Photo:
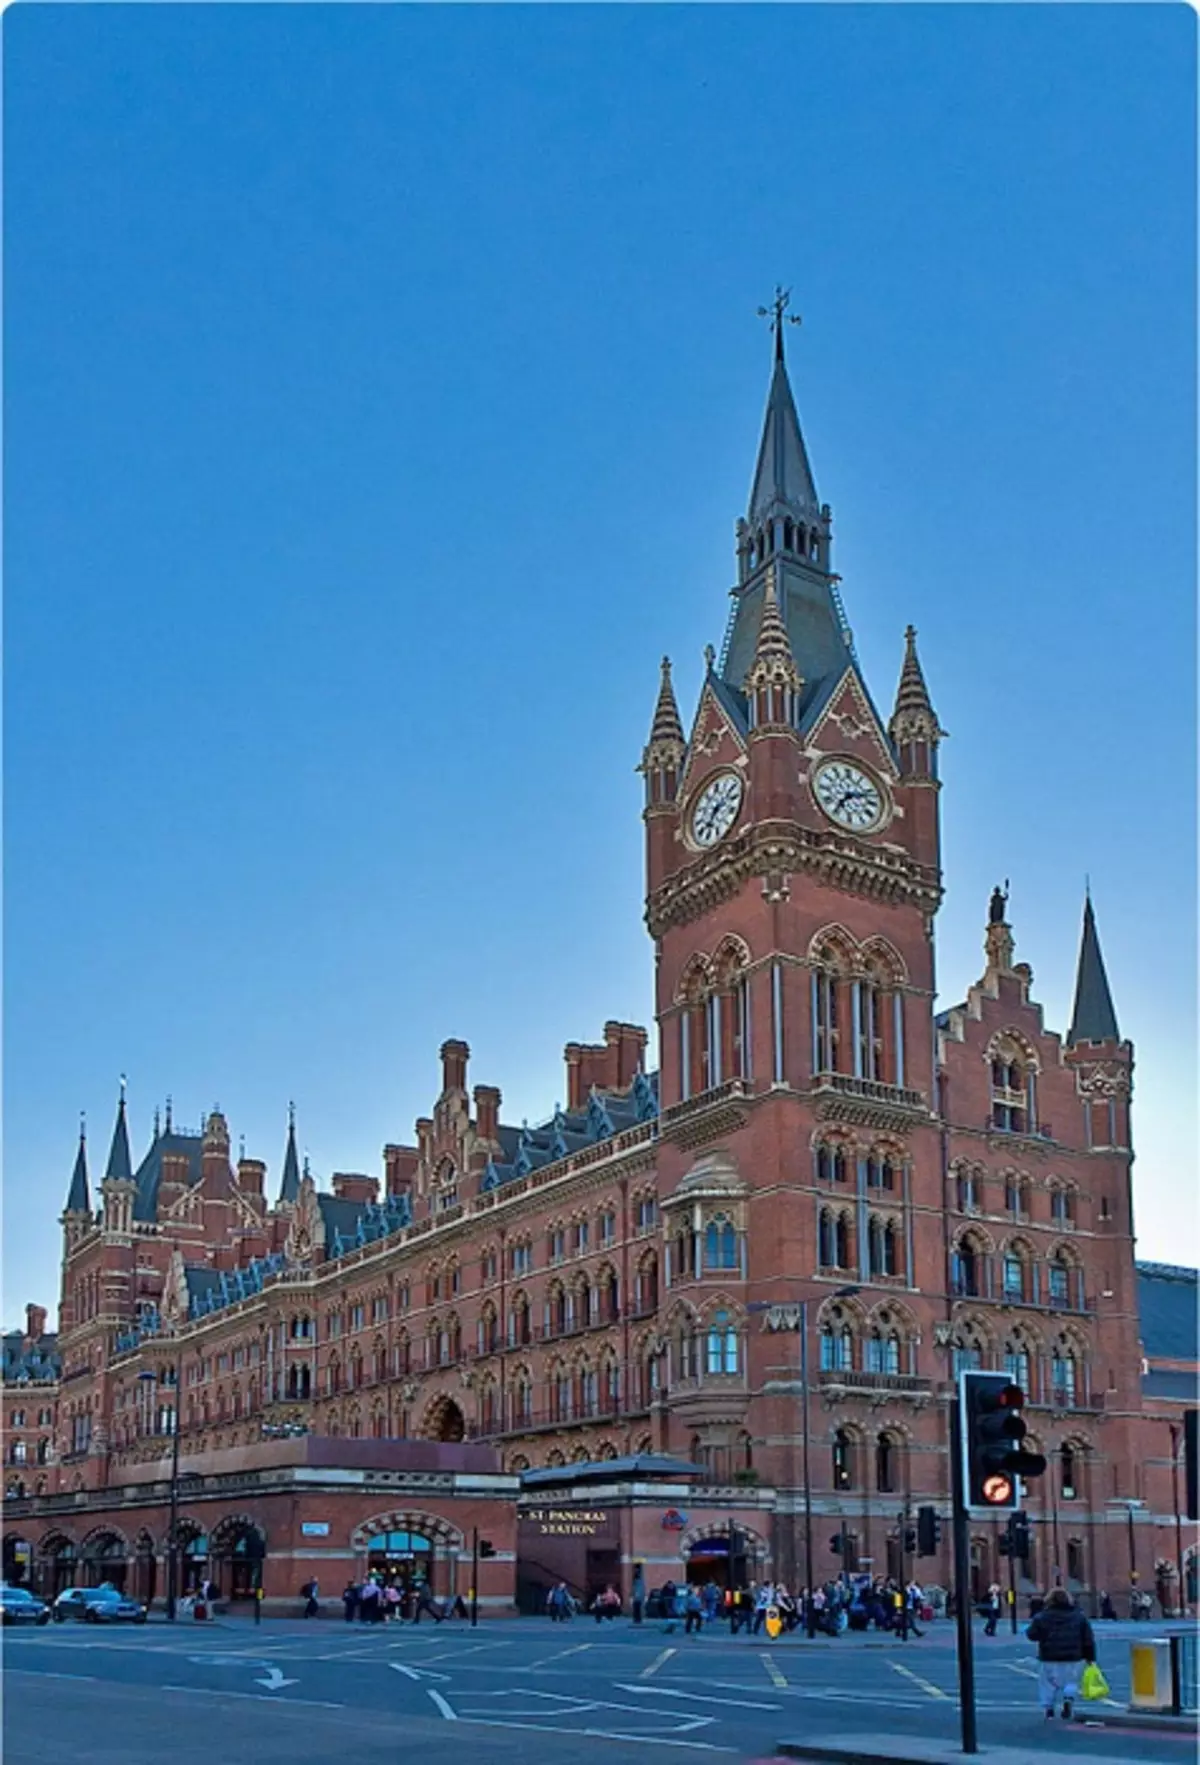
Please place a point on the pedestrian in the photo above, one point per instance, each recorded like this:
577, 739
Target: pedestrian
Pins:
427, 1603
693, 1611
991, 1606
637, 1596
710, 1594
764, 1599
1065, 1641
350, 1601
391, 1601
1107, 1609
368, 1601
309, 1595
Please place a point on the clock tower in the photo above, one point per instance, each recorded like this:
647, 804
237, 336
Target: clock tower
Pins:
793, 876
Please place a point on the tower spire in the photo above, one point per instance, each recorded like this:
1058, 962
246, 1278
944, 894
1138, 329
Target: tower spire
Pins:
1094, 1018
289, 1186
78, 1195
120, 1165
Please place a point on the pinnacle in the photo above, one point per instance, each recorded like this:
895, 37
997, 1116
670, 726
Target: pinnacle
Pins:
666, 726
774, 659
913, 714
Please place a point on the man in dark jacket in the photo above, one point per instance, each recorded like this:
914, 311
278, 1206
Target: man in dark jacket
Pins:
1065, 1641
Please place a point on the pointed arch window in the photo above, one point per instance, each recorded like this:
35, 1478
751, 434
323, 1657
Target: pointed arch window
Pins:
881, 1351
1068, 1474
1059, 1284
837, 1348
887, 1464
1014, 1275
1064, 1377
843, 1460
720, 1244
1017, 1364
722, 1345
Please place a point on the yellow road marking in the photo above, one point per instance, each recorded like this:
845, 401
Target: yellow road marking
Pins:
935, 1691
775, 1675
656, 1663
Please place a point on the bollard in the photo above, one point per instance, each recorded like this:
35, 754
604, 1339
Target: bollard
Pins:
1151, 1677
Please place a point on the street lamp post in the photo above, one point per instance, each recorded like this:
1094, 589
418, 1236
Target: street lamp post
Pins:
173, 1497
1181, 1599
810, 1615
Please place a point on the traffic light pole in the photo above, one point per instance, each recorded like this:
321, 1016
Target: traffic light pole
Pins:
1012, 1578
474, 1576
962, 1584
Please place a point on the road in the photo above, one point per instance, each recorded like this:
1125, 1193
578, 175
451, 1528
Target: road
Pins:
598, 1693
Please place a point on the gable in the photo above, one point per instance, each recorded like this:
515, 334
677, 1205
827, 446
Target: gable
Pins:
847, 723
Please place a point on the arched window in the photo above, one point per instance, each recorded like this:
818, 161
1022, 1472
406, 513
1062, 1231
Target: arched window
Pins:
966, 1268
1059, 1280
827, 983
646, 1295
518, 1322
722, 1345
1015, 1278
1064, 1376
1014, 1086
827, 1236
881, 1246
837, 1344
887, 1464
881, 1351
1068, 1476
842, 1242
1017, 1363
843, 1460
967, 1350
720, 1244
1061, 1206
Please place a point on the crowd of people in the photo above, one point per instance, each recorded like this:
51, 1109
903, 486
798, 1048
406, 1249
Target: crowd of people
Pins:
378, 1600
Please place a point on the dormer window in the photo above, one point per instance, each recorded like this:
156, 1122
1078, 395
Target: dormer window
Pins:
1013, 1086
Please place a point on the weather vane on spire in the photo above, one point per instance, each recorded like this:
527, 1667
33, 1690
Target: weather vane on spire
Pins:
779, 316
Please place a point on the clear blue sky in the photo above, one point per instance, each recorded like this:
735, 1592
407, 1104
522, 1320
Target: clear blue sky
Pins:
382, 386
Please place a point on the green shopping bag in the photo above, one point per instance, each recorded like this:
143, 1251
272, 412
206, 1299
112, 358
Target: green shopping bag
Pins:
1093, 1684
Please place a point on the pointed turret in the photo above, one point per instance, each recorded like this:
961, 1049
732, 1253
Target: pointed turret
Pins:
120, 1165
914, 727
1093, 1019
289, 1186
783, 480
662, 757
773, 683
79, 1195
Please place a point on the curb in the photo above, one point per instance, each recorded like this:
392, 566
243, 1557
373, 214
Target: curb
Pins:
1155, 1719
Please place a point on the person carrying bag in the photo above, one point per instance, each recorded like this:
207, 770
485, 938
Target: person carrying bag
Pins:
1065, 1641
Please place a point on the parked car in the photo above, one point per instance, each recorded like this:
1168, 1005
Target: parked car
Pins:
98, 1605
19, 1606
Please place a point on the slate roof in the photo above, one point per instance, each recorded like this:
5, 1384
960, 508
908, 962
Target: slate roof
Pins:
1093, 1019
607, 1113
148, 1175
644, 1465
24, 1362
119, 1163
1167, 1301
289, 1184
78, 1195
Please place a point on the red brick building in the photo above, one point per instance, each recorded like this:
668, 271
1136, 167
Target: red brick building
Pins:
820, 1151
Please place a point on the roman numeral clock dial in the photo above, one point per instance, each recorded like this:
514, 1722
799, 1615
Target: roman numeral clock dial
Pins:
849, 796
716, 809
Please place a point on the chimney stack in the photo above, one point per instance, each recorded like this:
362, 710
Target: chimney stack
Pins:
487, 1112
455, 1056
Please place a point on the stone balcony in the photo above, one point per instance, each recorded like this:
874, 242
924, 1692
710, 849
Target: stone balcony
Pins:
841, 1096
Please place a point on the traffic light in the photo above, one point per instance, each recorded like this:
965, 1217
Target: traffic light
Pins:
1017, 1539
929, 1532
910, 1541
486, 1548
993, 1436
836, 1543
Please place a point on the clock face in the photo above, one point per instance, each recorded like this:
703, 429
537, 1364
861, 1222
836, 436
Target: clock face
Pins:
849, 796
716, 809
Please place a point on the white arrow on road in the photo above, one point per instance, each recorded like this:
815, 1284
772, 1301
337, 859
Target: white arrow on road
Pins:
274, 1680
416, 1672
695, 1697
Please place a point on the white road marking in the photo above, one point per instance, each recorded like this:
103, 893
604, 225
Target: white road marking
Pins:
274, 1681
657, 1662
644, 1740
696, 1697
37, 1673
562, 1654
442, 1705
773, 1673
255, 1697
416, 1672
935, 1691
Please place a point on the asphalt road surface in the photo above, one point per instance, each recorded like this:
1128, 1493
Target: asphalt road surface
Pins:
295, 1692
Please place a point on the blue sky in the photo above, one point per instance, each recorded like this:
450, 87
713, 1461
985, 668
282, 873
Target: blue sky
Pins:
382, 385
